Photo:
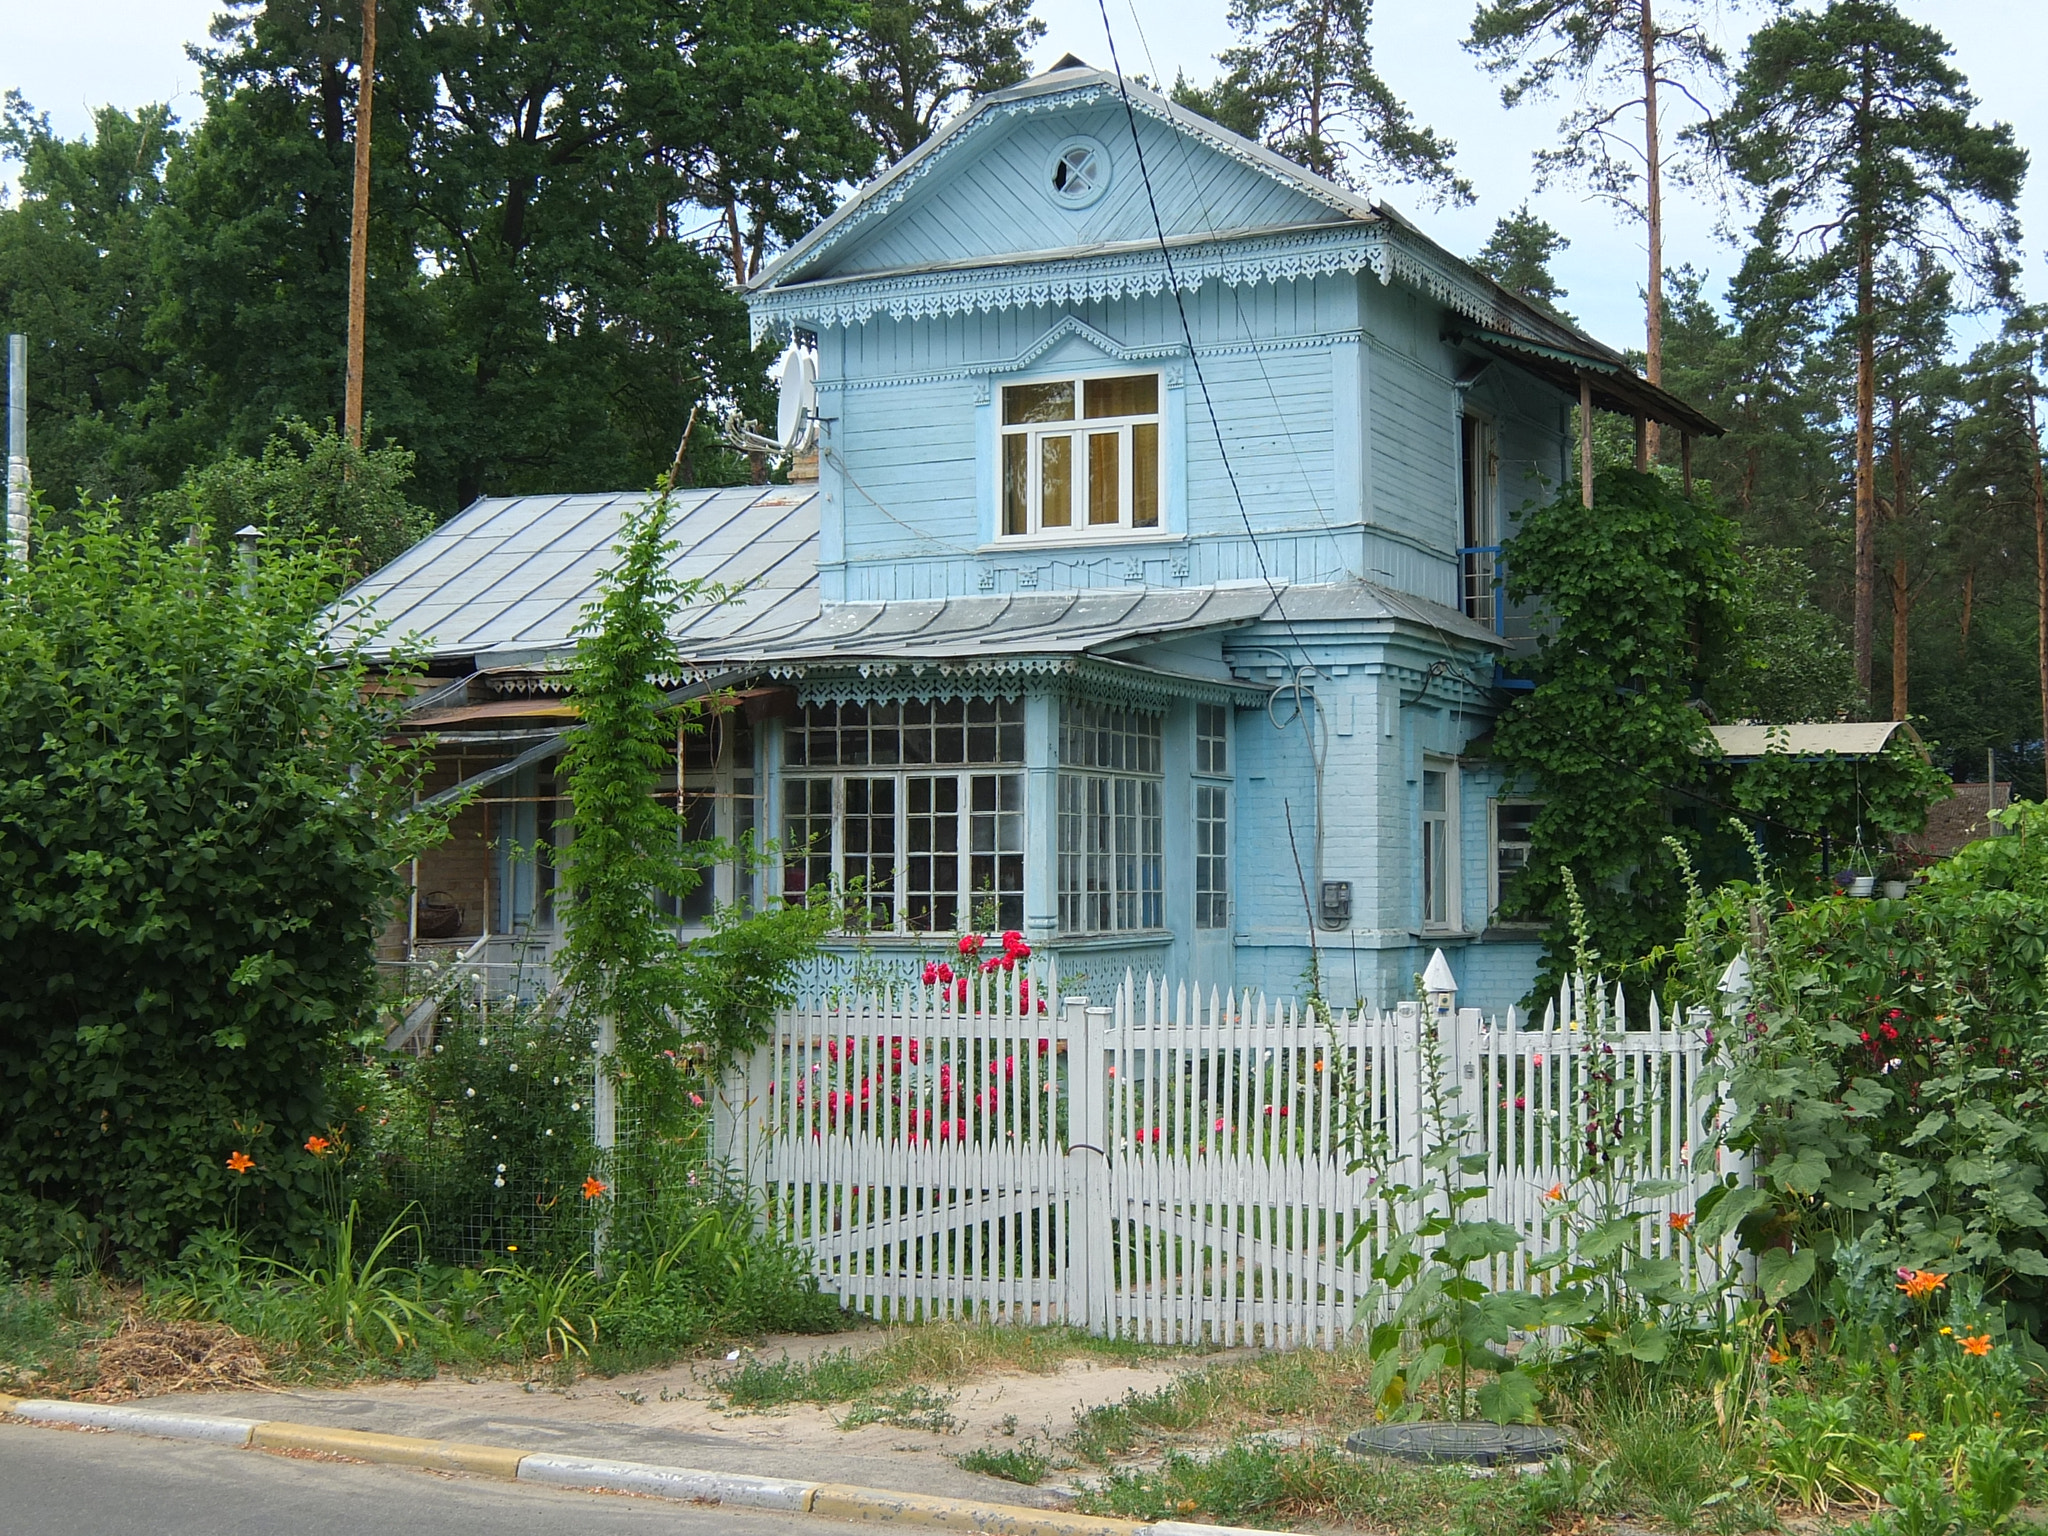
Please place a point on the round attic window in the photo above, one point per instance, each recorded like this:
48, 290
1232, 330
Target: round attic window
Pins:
1078, 173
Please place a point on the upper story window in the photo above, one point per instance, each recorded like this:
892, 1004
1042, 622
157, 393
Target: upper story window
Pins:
1478, 496
1081, 455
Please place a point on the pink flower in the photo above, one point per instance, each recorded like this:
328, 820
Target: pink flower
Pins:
1219, 1122
696, 1101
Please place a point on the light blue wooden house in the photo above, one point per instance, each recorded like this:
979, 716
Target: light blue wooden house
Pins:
1145, 600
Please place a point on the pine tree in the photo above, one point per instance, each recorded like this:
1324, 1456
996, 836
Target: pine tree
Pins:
914, 58
1855, 131
1308, 66
1618, 56
1517, 256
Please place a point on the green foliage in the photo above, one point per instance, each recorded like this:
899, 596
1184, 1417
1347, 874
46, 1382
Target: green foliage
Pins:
310, 487
622, 964
1793, 664
199, 819
1517, 255
1887, 1074
912, 61
1302, 74
1634, 605
1013, 1464
1858, 802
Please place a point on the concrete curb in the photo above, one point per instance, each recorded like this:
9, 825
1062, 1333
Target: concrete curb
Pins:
838, 1501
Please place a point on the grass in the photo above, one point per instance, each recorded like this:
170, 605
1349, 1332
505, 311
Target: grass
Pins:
50, 1332
1013, 1464
914, 1407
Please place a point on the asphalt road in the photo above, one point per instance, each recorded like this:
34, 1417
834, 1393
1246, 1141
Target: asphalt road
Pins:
56, 1482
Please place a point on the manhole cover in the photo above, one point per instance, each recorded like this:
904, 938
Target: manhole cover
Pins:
1486, 1445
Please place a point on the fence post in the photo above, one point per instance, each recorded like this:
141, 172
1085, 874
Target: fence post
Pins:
1405, 1130
1088, 1163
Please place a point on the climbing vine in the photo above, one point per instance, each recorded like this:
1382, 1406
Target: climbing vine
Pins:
1633, 598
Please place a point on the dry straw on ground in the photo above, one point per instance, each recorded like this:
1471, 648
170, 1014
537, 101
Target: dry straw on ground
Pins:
148, 1356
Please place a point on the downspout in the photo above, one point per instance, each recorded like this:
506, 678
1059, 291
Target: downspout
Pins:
17, 449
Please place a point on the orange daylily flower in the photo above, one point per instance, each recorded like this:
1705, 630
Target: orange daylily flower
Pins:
1555, 1192
1978, 1344
1919, 1284
318, 1145
1777, 1356
1681, 1221
240, 1162
593, 1187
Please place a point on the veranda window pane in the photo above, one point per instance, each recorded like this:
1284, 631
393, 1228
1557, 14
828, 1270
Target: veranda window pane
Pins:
1135, 394
1104, 472
1145, 475
1026, 403
1056, 481
1017, 483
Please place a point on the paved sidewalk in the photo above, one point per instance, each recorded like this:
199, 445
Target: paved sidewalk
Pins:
671, 1417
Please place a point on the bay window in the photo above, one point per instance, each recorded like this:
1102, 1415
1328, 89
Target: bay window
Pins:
892, 799
1112, 868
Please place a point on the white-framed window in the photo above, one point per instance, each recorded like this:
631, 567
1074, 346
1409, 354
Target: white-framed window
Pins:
1212, 856
883, 794
1439, 843
1081, 456
1112, 864
1512, 822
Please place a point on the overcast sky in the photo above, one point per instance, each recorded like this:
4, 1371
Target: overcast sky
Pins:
68, 56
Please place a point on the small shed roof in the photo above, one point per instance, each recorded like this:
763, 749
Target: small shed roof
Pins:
1842, 738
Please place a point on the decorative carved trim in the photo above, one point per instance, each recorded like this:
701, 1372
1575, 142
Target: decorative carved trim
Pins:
981, 375
883, 198
1077, 677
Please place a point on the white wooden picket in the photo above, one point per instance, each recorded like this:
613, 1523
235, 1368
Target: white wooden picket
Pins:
1179, 1168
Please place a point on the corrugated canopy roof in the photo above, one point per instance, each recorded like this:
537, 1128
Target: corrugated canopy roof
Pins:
506, 579
1843, 738
1615, 385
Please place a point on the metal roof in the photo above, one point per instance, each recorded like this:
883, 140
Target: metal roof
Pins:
1614, 384
504, 582
506, 579
1095, 620
1843, 738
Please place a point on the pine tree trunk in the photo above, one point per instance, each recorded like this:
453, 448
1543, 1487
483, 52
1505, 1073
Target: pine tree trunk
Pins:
1969, 602
2040, 556
359, 234
1902, 605
1653, 208
1862, 624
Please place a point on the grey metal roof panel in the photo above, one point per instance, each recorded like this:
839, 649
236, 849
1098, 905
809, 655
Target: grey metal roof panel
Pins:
515, 573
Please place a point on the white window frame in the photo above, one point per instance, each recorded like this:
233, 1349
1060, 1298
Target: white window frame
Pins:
1479, 534
733, 788
1493, 874
1212, 869
1447, 851
1079, 428
1109, 843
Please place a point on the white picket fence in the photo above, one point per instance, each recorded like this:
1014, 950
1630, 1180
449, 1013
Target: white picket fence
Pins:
1180, 1169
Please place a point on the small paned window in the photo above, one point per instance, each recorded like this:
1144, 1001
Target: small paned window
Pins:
1111, 833
1212, 739
1479, 555
714, 799
864, 803
1212, 856
1081, 456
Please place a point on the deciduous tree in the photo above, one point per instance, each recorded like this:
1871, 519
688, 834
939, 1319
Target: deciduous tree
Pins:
913, 59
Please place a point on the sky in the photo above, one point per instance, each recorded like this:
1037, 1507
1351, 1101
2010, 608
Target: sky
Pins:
69, 56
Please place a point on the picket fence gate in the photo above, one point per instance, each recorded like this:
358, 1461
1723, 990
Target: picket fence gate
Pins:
1180, 1169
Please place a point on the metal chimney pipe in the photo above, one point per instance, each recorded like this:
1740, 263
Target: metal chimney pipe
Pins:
245, 540
17, 448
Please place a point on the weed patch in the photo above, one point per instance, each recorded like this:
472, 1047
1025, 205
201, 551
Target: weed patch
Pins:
916, 1407
1014, 1464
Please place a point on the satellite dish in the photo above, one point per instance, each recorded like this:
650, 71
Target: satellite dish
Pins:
796, 417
